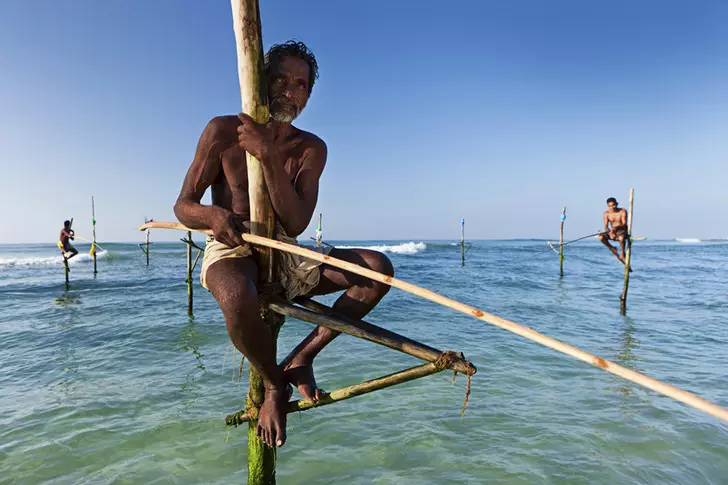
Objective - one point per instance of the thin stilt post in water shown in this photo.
(147, 245)
(561, 242)
(93, 226)
(462, 239)
(628, 252)
(319, 232)
(251, 74)
(189, 273)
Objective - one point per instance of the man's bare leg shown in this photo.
(622, 244)
(361, 296)
(605, 241)
(232, 283)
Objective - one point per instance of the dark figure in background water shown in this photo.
(292, 161)
(64, 241)
(616, 217)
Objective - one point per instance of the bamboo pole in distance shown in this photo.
(189, 273)
(319, 232)
(528, 333)
(251, 74)
(561, 242)
(462, 239)
(628, 253)
(147, 243)
(93, 226)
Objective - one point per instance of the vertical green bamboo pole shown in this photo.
(147, 251)
(561, 243)
(462, 239)
(189, 273)
(93, 225)
(628, 252)
(251, 73)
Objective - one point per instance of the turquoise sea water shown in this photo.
(111, 382)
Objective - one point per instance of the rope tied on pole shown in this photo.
(446, 361)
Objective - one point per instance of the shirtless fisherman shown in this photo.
(617, 218)
(64, 241)
(292, 162)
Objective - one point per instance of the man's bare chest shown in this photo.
(235, 167)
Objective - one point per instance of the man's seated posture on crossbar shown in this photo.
(292, 162)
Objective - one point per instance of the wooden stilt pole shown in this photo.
(65, 264)
(349, 392)
(93, 225)
(189, 273)
(251, 73)
(147, 251)
(628, 253)
(561, 243)
(320, 314)
(319, 232)
(462, 239)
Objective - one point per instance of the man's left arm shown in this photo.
(623, 220)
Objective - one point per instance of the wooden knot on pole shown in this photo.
(446, 361)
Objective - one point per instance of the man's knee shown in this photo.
(234, 290)
(380, 263)
(602, 237)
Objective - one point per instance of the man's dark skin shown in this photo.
(66, 234)
(617, 218)
(292, 162)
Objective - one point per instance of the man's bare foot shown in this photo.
(272, 417)
(300, 374)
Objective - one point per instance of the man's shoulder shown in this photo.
(311, 140)
(223, 123)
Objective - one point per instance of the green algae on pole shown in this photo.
(628, 253)
(251, 74)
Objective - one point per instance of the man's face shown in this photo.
(612, 206)
(288, 88)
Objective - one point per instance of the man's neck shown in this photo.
(280, 129)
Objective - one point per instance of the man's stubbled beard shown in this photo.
(283, 109)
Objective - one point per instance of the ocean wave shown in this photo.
(404, 248)
(81, 258)
(688, 240)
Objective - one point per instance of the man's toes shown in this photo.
(320, 394)
(307, 394)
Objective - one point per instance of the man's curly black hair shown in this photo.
(294, 49)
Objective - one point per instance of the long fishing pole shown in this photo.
(550, 248)
(88, 241)
(528, 333)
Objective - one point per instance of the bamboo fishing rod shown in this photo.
(88, 241)
(678, 394)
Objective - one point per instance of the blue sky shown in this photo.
(499, 112)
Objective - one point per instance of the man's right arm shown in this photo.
(606, 223)
(205, 168)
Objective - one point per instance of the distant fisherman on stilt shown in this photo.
(617, 218)
(64, 244)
